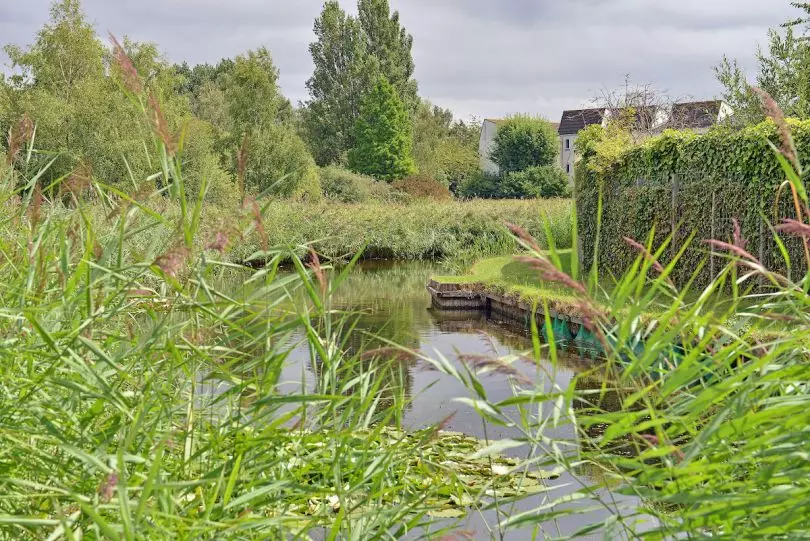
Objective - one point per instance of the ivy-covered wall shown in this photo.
(697, 183)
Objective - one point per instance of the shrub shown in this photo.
(421, 186)
(479, 185)
(543, 181)
(522, 142)
(345, 186)
(278, 161)
(199, 161)
(546, 181)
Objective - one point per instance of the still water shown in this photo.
(392, 303)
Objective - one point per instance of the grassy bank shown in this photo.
(423, 229)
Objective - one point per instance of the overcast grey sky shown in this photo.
(486, 58)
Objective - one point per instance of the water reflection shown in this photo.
(392, 304)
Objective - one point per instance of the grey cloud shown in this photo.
(478, 57)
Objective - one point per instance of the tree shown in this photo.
(383, 134)
(390, 44)
(522, 142)
(783, 72)
(344, 74)
(443, 149)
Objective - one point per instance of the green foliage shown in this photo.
(390, 45)
(200, 165)
(444, 149)
(734, 171)
(479, 185)
(424, 229)
(350, 54)
(383, 135)
(345, 186)
(522, 142)
(422, 186)
(543, 181)
(344, 73)
(783, 71)
(279, 162)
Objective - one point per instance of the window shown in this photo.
(567, 144)
(568, 168)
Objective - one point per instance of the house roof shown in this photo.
(695, 114)
(573, 121)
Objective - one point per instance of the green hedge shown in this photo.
(726, 174)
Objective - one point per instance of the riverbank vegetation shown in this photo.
(144, 392)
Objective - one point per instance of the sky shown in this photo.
(480, 58)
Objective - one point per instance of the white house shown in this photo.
(697, 116)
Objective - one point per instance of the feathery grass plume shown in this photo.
(523, 235)
(794, 227)
(79, 180)
(252, 206)
(159, 124)
(732, 248)
(19, 136)
(317, 270)
(172, 261)
(132, 81)
(497, 366)
(646, 253)
(774, 112)
(436, 430)
(241, 166)
(35, 208)
(550, 273)
(739, 241)
(220, 242)
(388, 353)
(107, 488)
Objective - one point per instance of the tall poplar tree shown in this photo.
(349, 55)
(344, 73)
(391, 45)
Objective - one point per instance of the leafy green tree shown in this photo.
(383, 133)
(344, 74)
(443, 149)
(390, 44)
(783, 72)
(522, 142)
(61, 82)
(279, 162)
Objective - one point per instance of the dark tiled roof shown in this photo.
(696, 114)
(573, 121)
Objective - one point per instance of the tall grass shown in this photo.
(140, 399)
(703, 414)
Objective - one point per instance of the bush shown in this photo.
(278, 161)
(479, 185)
(544, 181)
(345, 186)
(522, 142)
(199, 161)
(421, 186)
